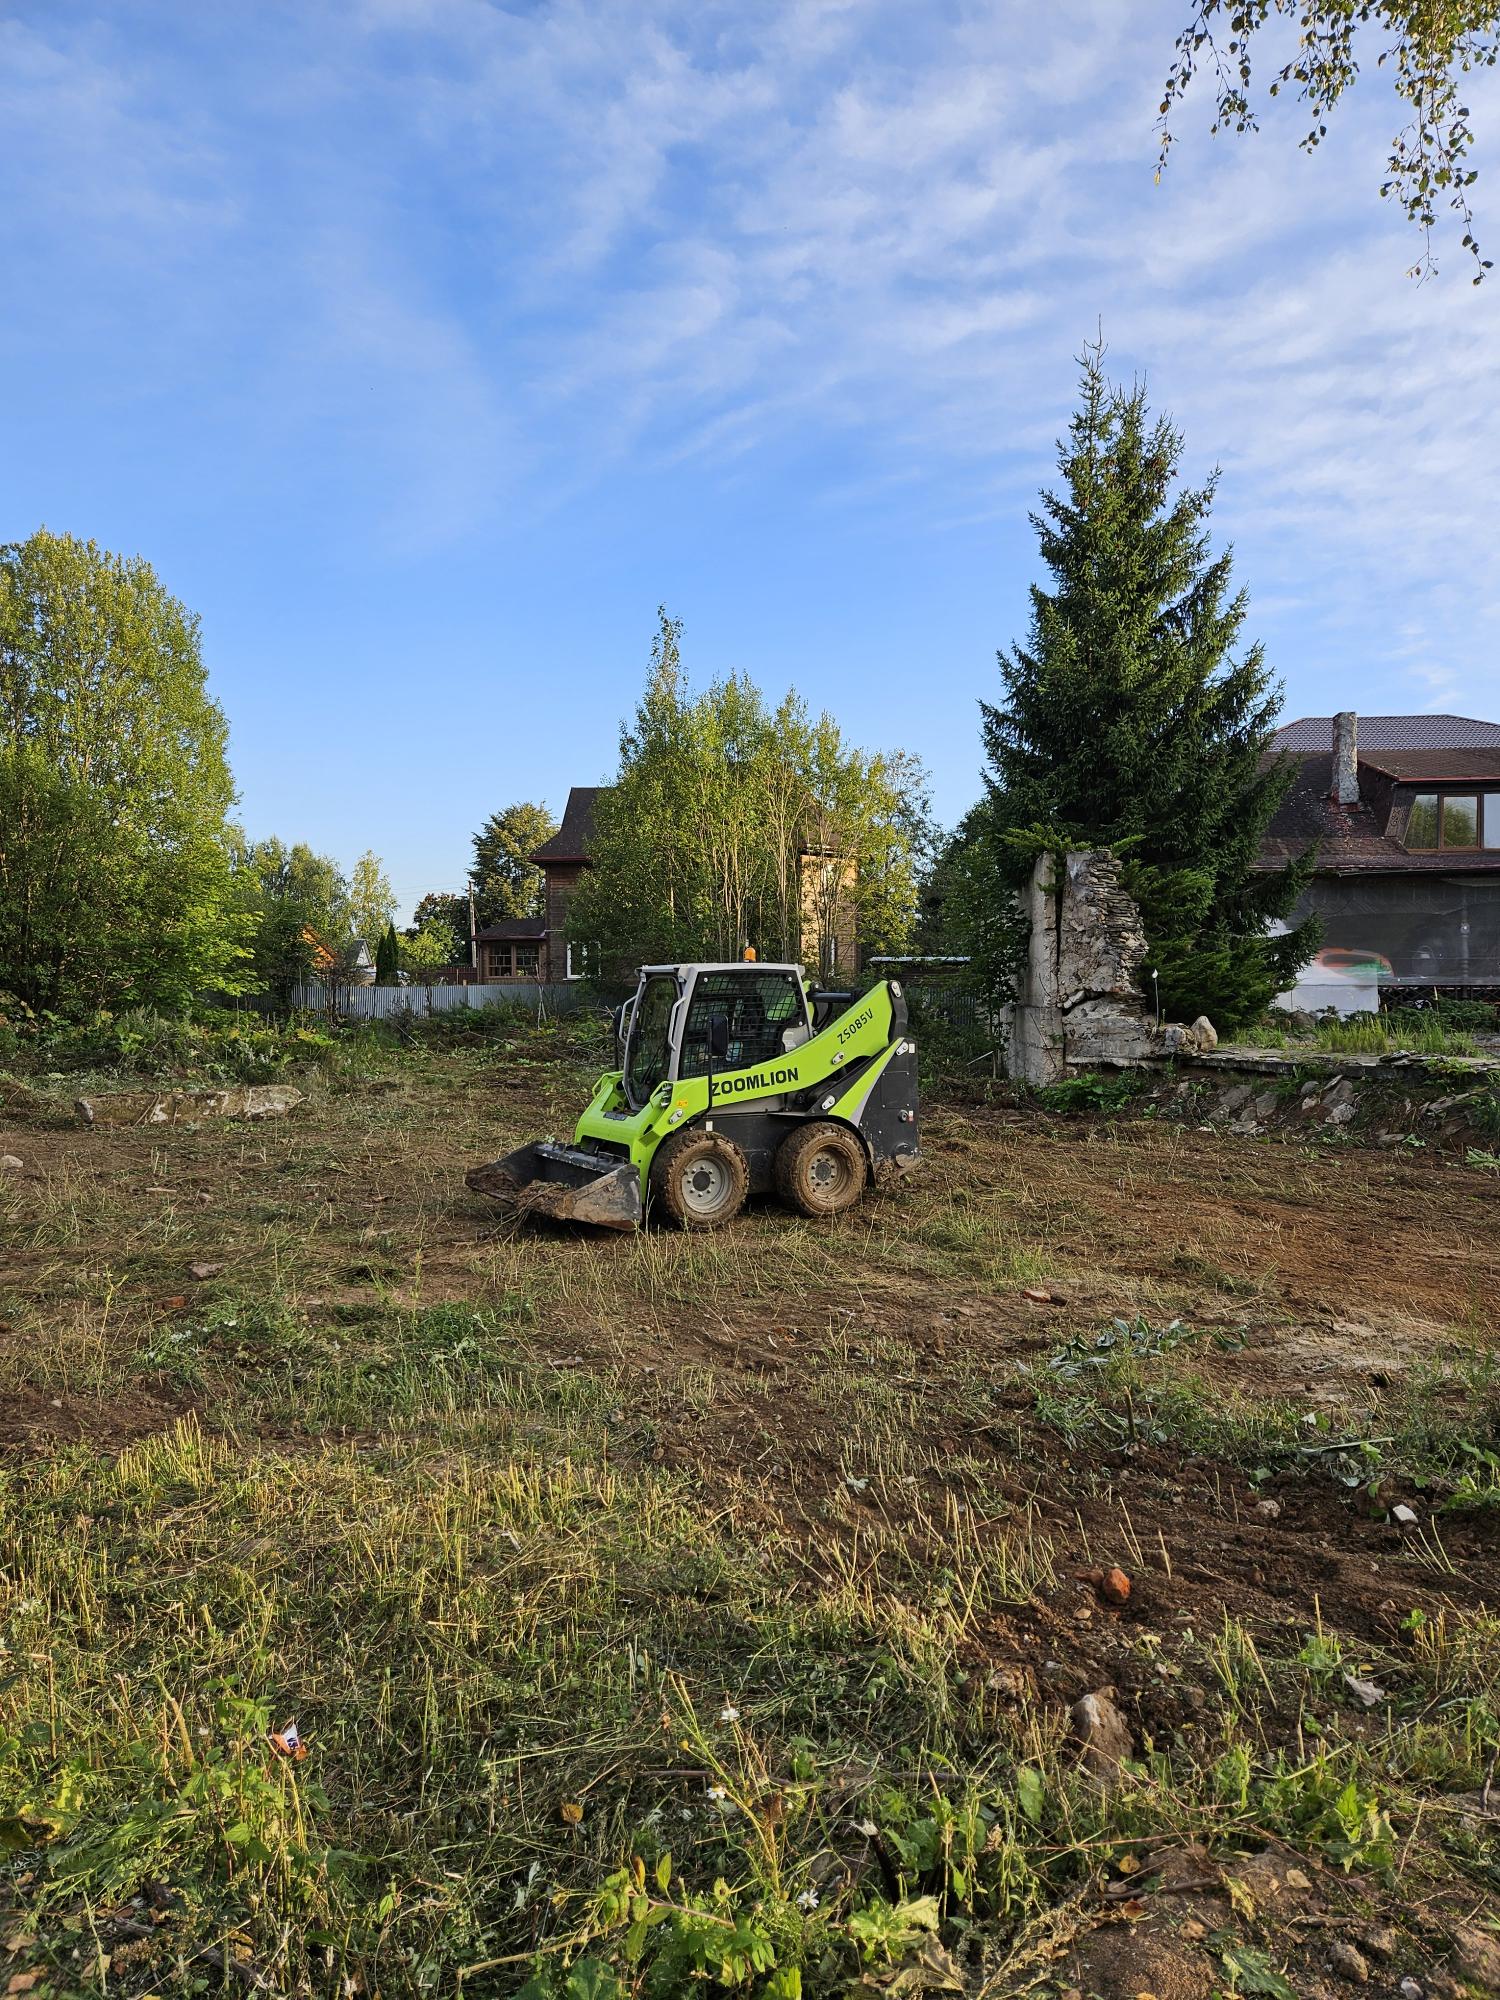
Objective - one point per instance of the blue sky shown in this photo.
(425, 346)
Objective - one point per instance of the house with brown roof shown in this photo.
(537, 948)
(1405, 814)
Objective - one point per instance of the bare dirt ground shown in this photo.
(910, 1413)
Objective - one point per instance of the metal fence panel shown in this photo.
(385, 1003)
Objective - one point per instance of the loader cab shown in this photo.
(689, 1020)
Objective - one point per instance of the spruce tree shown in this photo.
(1132, 719)
(387, 957)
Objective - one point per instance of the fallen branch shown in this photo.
(1342, 1444)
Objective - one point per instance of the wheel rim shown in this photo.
(705, 1186)
(828, 1172)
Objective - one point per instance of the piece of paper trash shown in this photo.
(1404, 1514)
(288, 1742)
(1367, 1691)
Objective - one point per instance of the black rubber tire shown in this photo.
(821, 1169)
(693, 1157)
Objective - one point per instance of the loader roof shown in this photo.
(725, 965)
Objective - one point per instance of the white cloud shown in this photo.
(491, 252)
(99, 158)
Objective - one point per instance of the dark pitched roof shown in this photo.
(1311, 733)
(571, 840)
(1351, 839)
(1436, 766)
(1348, 836)
(514, 930)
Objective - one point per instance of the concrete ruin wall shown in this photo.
(1078, 1003)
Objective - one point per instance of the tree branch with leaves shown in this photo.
(1429, 47)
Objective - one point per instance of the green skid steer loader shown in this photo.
(734, 1079)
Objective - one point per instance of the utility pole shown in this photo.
(473, 931)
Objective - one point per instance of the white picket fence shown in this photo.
(385, 1003)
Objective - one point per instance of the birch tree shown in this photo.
(730, 824)
(372, 900)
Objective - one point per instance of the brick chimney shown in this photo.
(1346, 757)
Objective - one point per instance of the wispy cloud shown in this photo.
(476, 256)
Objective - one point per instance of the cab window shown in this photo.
(757, 1009)
(647, 1053)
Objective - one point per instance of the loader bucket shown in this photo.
(563, 1183)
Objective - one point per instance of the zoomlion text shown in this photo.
(763, 1079)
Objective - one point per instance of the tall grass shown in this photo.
(1417, 1032)
(1381, 1034)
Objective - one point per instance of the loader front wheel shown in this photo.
(821, 1169)
(701, 1179)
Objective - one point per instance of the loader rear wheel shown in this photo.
(821, 1169)
(701, 1179)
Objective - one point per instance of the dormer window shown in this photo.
(1457, 821)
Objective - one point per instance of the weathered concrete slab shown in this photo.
(1079, 1003)
(179, 1107)
(1282, 1062)
(1104, 1031)
(1101, 946)
(1034, 1043)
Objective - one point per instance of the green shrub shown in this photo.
(950, 1040)
(221, 1047)
(1094, 1091)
